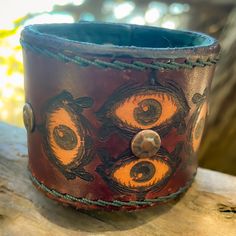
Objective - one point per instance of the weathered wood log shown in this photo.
(208, 208)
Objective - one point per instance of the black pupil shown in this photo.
(142, 171)
(148, 112)
(65, 137)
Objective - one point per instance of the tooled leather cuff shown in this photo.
(115, 112)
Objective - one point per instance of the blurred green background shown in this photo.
(15, 16)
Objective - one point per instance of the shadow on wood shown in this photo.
(207, 208)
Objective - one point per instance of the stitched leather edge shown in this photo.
(115, 203)
(120, 65)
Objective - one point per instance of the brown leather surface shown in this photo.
(46, 78)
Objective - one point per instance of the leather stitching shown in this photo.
(114, 203)
(120, 65)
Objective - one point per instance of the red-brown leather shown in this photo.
(47, 77)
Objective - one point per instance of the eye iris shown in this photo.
(142, 171)
(65, 137)
(148, 111)
(199, 129)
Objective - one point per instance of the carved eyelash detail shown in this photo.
(66, 132)
(197, 122)
(142, 173)
(132, 109)
(127, 173)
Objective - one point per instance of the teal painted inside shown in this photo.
(124, 35)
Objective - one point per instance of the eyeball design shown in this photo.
(198, 127)
(129, 174)
(146, 110)
(66, 135)
(65, 138)
(142, 173)
(132, 109)
(197, 121)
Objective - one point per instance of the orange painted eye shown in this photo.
(131, 109)
(142, 173)
(64, 137)
(199, 127)
(146, 110)
(67, 138)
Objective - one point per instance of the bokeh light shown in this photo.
(152, 15)
(138, 20)
(169, 24)
(124, 9)
(50, 18)
(178, 8)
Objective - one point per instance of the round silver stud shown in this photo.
(145, 144)
(28, 117)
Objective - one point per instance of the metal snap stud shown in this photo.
(28, 117)
(145, 144)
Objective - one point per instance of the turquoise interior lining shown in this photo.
(125, 35)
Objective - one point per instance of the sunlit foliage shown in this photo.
(15, 16)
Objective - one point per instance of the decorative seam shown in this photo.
(114, 203)
(120, 65)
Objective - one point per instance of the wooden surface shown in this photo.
(208, 208)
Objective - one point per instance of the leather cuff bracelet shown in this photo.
(115, 112)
